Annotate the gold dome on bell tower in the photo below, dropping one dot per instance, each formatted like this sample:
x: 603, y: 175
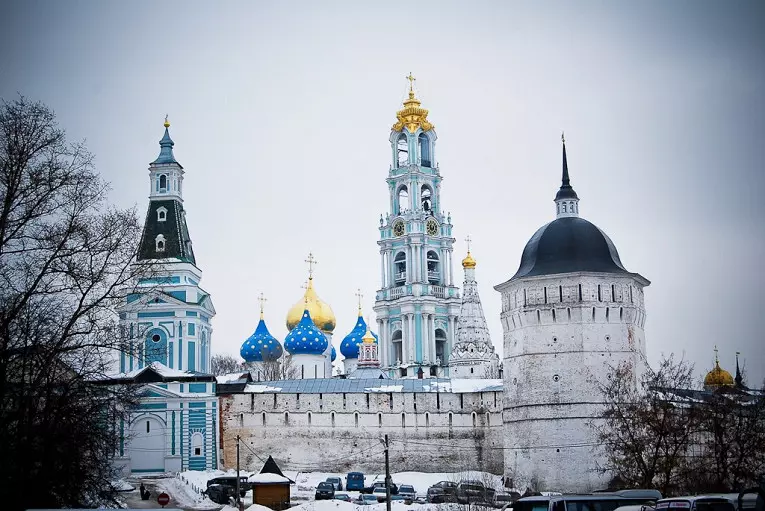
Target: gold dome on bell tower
x: 412, y: 116
x: 718, y: 377
x: 320, y: 311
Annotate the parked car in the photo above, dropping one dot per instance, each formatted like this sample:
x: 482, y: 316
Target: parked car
x: 366, y: 499
x: 337, y: 482
x: 380, y: 493
x: 325, y: 491
x: 343, y: 496
x: 697, y: 503
x: 470, y: 491
x: 450, y: 489
x: 381, y: 484
x: 407, y: 491
x: 219, y: 493
x: 599, y: 500
x: 244, y: 484
x: 354, y: 481
x: 506, y: 498
x: 436, y: 495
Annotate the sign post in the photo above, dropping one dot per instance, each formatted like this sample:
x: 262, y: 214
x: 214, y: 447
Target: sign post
x: 163, y: 499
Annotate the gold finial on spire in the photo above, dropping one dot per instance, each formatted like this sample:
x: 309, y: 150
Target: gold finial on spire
x: 360, y: 297
x: 311, y: 261
x: 167, y: 123
x: 411, y: 79
x: 262, y: 299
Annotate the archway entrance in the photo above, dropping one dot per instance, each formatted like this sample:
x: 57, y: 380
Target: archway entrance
x: 147, y: 445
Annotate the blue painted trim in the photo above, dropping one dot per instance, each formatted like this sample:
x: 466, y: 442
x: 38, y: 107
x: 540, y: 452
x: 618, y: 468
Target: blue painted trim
x: 191, y: 314
x: 132, y: 297
x: 161, y: 280
x: 197, y: 387
x: 172, y: 434
x: 418, y: 336
x: 192, y: 329
x: 152, y: 406
x: 196, y: 405
x: 180, y: 295
x: 156, y: 314
x: 170, y: 357
x: 148, y: 470
x: 192, y: 356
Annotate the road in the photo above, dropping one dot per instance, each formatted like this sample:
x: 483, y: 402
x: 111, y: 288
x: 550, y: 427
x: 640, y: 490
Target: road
x: 133, y: 498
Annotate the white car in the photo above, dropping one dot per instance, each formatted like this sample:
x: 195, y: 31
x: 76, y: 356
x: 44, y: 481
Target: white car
x: 379, y: 492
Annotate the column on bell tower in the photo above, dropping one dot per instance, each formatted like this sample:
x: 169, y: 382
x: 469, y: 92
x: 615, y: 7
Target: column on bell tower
x: 417, y: 299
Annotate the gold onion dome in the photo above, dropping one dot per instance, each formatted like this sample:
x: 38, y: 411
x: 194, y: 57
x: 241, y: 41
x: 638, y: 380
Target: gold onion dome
x: 718, y: 377
x: 468, y: 262
x: 321, y: 313
x: 412, y: 116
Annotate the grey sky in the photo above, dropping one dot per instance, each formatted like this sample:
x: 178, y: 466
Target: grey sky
x: 281, y: 113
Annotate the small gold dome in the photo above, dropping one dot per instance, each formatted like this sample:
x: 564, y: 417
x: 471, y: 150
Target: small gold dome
x: 368, y: 337
x: 412, y: 116
x: 468, y: 262
x: 718, y: 377
x: 321, y: 313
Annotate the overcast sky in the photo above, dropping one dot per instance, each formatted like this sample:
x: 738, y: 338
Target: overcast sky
x: 281, y: 113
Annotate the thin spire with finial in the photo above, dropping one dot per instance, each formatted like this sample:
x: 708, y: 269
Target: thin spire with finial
x: 739, y: 377
x: 468, y: 239
x: 360, y: 297
x: 411, y: 79
x: 566, y: 200
x: 262, y: 299
x: 311, y: 262
x: 166, y: 146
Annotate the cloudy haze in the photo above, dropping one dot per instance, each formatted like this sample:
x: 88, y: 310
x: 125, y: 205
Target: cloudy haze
x: 281, y: 113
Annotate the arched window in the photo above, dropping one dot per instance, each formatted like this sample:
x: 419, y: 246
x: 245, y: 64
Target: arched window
x: 309, y: 418
x: 196, y: 444
x: 162, y: 183
x: 161, y: 214
x: 332, y: 417
x: 402, y: 150
x: 379, y: 420
x: 396, y: 339
x: 286, y: 418
x: 426, y: 198
x: 263, y: 418
x: 564, y: 207
x: 403, y: 420
x: 424, y: 144
x: 451, y: 419
x: 403, y: 199
x: 356, y: 419
x: 399, y: 264
x: 441, y: 346
x: 427, y: 419
x: 434, y: 273
x: 159, y: 243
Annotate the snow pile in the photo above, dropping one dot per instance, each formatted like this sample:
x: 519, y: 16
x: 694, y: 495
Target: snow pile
x: 122, y: 485
x: 187, y: 493
x: 258, y: 389
x: 254, y: 507
x: 386, y: 388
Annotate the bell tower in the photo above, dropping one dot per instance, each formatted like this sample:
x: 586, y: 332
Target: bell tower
x: 417, y: 304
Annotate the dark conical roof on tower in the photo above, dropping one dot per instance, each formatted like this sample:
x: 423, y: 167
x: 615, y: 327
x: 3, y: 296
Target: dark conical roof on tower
x: 566, y: 190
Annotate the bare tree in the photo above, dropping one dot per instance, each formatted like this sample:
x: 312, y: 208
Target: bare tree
x: 730, y: 451
x: 646, y: 436
x: 65, y: 263
x: 272, y: 369
x: 224, y: 364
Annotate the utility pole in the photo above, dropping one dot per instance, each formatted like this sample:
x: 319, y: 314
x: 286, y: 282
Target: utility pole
x: 238, y: 501
x: 387, y: 476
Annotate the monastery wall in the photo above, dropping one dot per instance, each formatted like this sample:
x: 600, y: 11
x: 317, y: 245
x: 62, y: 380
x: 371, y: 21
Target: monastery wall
x: 428, y: 431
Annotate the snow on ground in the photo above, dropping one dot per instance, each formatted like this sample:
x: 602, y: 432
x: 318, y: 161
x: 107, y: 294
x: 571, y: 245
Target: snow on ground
x: 254, y: 507
x: 334, y: 505
x: 187, y: 494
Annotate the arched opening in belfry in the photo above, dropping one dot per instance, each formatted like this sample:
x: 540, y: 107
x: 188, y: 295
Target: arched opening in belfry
x: 399, y: 264
x: 426, y: 199
x: 403, y: 199
x: 434, y: 267
x: 441, y: 346
x: 402, y: 150
x: 397, y: 340
x: 162, y: 183
x: 424, y: 144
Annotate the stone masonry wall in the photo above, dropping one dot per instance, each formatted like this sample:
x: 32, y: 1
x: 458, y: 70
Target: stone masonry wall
x: 431, y: 432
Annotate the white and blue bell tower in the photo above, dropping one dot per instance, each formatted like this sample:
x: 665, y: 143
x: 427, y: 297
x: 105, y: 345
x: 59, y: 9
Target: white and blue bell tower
x: 418, y: 304
x: 167, y: 317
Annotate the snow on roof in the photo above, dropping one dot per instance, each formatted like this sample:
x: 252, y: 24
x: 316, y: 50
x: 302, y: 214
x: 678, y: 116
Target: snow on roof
x: 259, y: 389
x: 268, y: 478
x: 159, y: 368
x: 232, y: 377
x: 361, y: 386
x: 386, y: 388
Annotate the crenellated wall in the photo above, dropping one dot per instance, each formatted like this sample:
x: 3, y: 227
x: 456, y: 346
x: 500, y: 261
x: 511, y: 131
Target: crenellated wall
x: 341, y: 432
x: 561, y: 335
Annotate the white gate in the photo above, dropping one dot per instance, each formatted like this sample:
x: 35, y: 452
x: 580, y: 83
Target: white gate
x: 147, y: 445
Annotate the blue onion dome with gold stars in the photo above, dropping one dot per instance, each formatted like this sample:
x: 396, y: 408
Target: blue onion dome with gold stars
x: 261, y: 344
x: 306, y: 338
x: 350, y: 345
x: 333, y: 357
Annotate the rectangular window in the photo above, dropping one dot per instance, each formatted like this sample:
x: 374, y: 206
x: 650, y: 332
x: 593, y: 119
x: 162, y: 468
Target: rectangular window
x: 192, y: 328
x: 192, y: 356
x: 148, y: 426
x: 197, y: 451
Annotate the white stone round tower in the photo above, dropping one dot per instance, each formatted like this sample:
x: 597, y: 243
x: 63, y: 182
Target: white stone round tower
x: 570, y: 313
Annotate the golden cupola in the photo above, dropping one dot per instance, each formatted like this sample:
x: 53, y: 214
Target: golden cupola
x: 718, y: 377
x: 320, y: 311
x: 412, y: 116
x: 468, y: 262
